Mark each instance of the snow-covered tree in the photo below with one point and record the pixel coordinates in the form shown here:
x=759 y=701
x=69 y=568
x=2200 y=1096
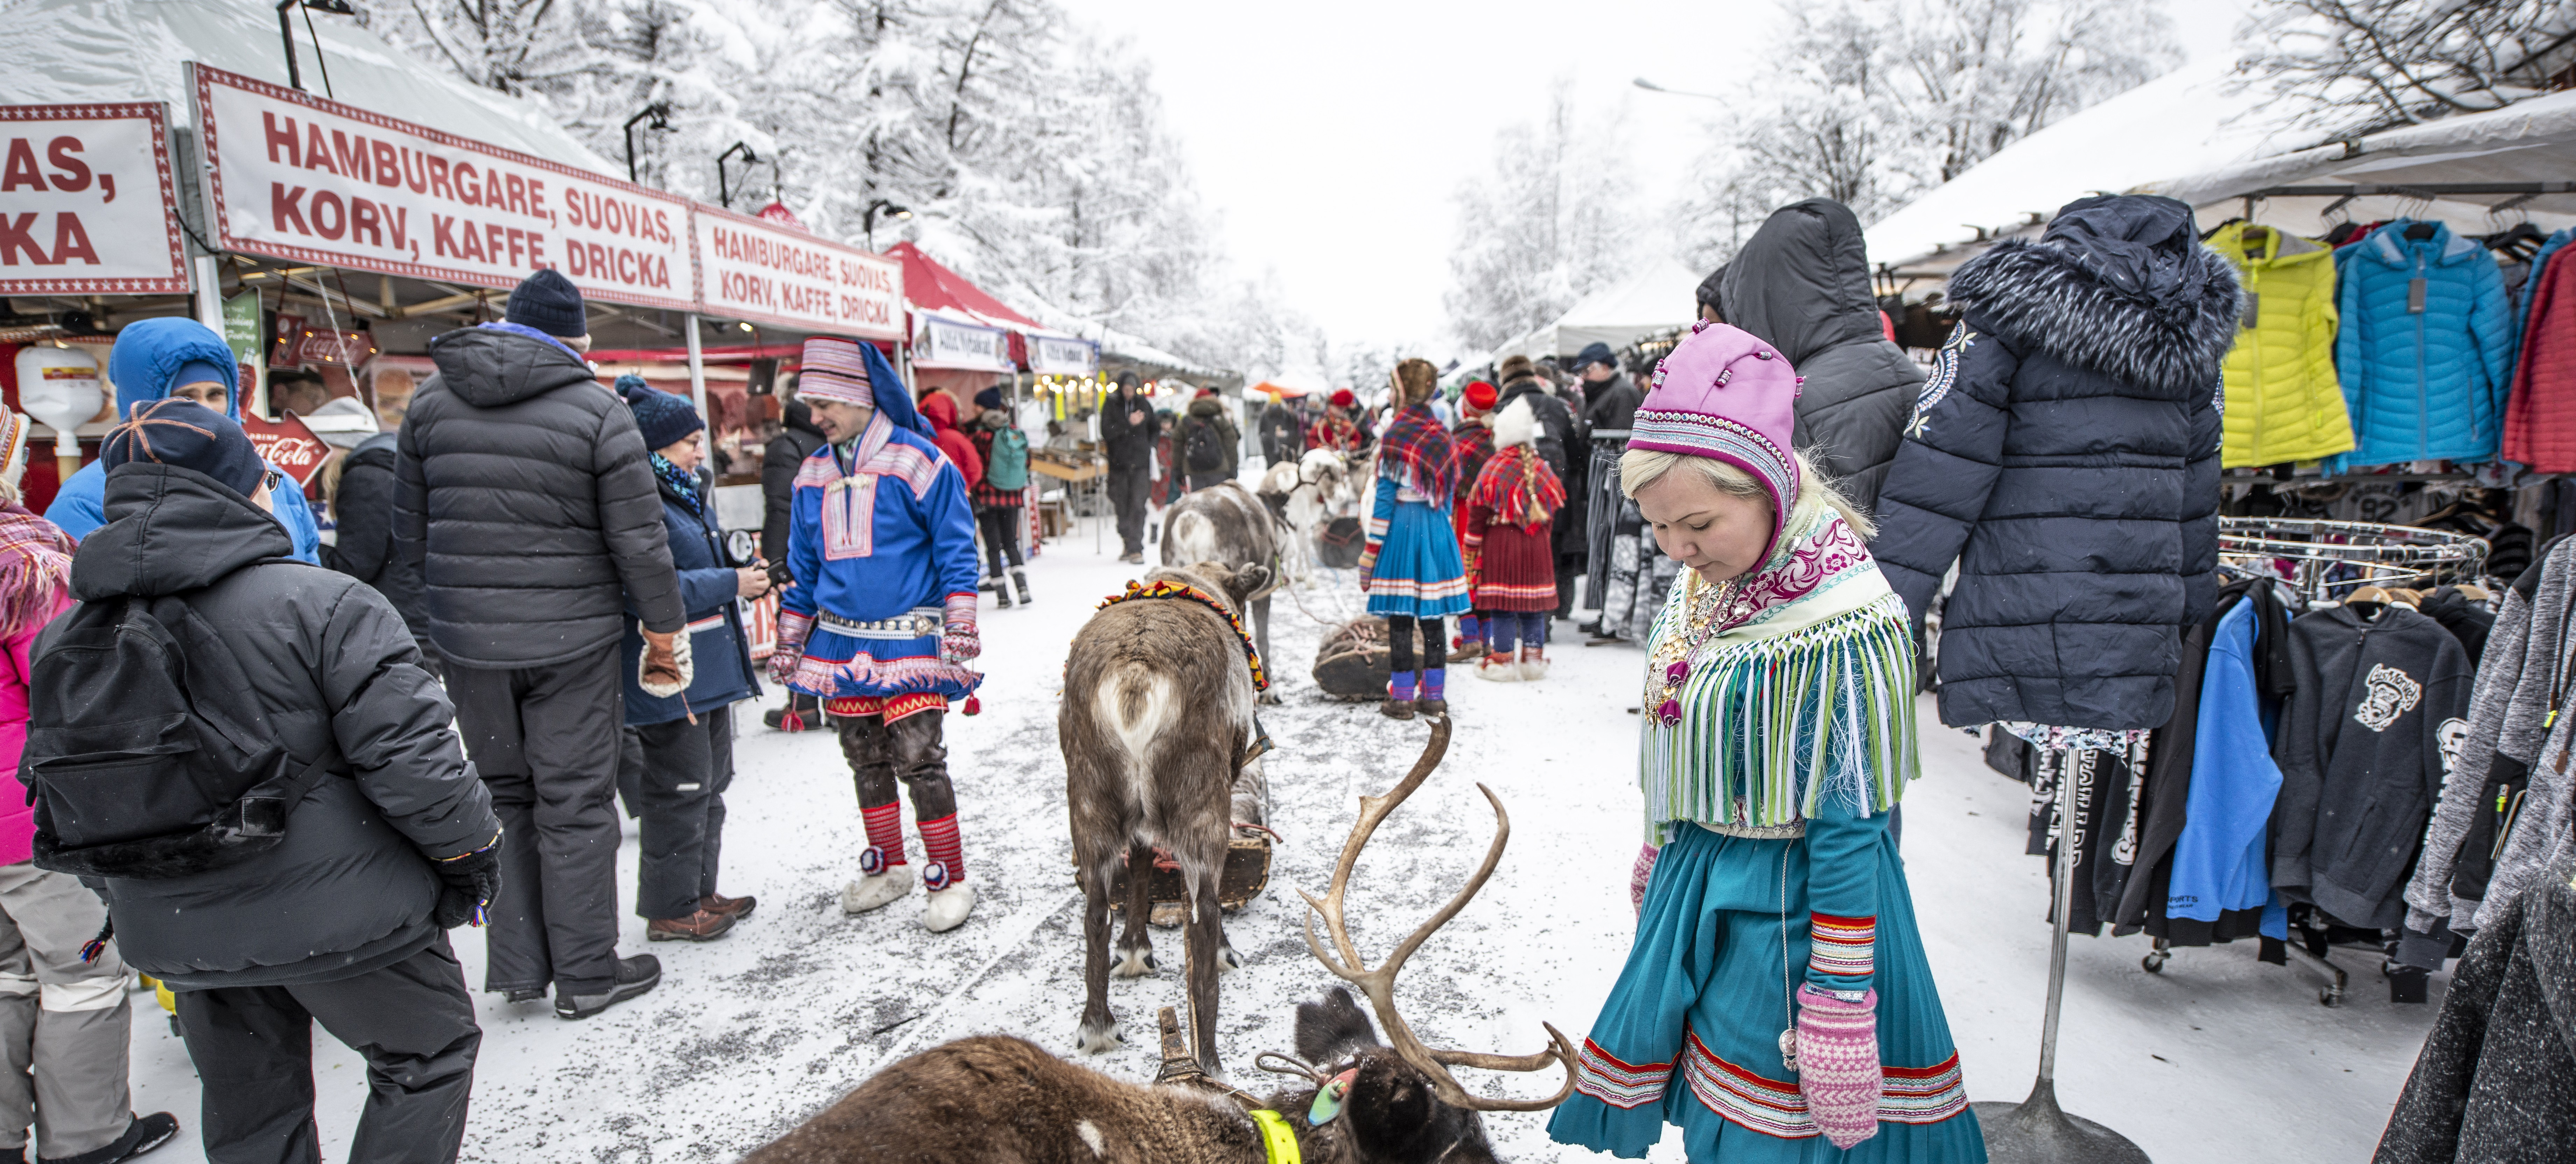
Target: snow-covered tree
x=1553 y=218
x=2350 y=67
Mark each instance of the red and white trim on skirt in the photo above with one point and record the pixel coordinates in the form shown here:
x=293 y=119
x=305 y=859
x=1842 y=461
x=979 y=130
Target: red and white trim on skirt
x=892 y=707
x=1908 y=1095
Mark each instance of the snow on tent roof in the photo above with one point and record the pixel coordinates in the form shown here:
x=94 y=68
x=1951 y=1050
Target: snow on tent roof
x=1659 y=298
x=931 y=286
x=2529 y=141
x=78 y=51
x=2186 y=120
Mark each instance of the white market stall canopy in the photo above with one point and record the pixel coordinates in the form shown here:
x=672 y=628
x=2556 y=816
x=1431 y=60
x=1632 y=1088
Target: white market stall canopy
x=2190 y=119
x=83 y=51
x=1661 y=297
x=2477 y=172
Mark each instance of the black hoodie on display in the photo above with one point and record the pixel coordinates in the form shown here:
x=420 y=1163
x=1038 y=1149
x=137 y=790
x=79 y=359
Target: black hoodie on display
x=785 y=454
x=1801 y=284
x=524 y=496
x=2377 y=719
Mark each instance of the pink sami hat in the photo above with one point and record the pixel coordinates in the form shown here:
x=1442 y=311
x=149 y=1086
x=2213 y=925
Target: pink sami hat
x=833 y=369
x=1722 y=393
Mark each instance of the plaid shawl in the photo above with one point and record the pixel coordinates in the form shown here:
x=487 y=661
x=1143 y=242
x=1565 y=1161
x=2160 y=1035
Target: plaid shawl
x=35 y=567
x=1519 y=487
x=1416 y=451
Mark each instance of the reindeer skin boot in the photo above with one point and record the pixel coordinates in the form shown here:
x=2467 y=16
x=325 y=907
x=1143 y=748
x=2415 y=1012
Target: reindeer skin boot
x=1434 y=699
x=1399 y=696
x=1533 y=664
x=879 y=884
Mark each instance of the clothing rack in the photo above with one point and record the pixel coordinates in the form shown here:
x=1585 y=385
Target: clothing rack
x=2332 y=557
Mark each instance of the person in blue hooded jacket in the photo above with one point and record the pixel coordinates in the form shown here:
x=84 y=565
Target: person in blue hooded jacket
x=159 y=358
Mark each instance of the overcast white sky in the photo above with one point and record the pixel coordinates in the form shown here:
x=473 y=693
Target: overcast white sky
x=1330 y=134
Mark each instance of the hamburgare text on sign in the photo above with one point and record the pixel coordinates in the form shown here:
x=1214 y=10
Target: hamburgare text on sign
x=755 y=269
x=308 y=179
x=85 y=201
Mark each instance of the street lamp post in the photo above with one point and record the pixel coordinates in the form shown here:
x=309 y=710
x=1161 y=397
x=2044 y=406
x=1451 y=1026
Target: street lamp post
x=724 y=192
x=1652 y=87
x=869 y=220
x=659 y=112
x=286 y=34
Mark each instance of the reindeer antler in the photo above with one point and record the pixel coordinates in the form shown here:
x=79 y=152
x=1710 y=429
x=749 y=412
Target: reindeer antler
x=1379 y=984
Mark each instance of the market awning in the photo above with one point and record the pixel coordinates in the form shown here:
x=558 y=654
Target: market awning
x=2465 y=170
x=1659 y=298
x=955 y=324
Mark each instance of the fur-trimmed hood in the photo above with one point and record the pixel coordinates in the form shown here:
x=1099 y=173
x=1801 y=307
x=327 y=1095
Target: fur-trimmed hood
x=2119 y=285
x=1515 y=425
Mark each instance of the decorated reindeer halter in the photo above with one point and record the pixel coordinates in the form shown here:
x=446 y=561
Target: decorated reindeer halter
x=1170 y=589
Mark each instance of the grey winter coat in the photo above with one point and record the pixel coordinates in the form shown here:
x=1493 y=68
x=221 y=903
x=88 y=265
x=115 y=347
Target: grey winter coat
x=2065 y=453
x=1801 y=284
x=339 y=679
x=525 y=498
x=363 y=509
x=2375 y=714
x=2496 y=1080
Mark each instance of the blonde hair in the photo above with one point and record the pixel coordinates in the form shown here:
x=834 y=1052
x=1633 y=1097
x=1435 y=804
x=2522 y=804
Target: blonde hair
x=1639 y=468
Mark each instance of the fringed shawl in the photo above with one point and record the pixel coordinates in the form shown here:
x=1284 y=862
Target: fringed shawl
x=1804 y=689
x=35 y=570
x=1519 y=487
x=1416 y=452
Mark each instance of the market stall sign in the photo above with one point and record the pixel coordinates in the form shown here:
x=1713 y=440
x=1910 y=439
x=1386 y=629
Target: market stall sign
x=760 y=271
x=307 y=179
x=288 y=444
x=1051 y=355
x=85 y=201
x=946 y=343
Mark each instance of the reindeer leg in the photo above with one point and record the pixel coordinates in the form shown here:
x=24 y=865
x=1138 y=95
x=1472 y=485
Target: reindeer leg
x=1206 y=940
x=1135 y=942
x=1099 y=1031
x=1261 y=638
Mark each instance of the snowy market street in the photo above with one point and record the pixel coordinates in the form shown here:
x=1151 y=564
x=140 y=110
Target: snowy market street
x=2216 y=1059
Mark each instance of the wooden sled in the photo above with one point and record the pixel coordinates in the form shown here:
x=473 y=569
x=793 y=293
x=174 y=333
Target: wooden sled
x=1245 y=875
x=1351 y=662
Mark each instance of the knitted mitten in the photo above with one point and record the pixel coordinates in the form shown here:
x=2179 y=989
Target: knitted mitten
x=1838 y=1067
x=1638 y=876
x=958 y=640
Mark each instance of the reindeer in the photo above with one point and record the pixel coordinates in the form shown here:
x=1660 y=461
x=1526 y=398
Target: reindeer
x=1156 y=725
x=1226 y=523
x=995 y=1099
x=1302 y=494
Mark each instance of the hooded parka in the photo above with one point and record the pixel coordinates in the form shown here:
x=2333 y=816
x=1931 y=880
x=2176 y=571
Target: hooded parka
x=524 y=496
x=2064 y=452
x=796 y=440
x=363 y=509
x=336 y=675
x=1801 y=284
x=2283 y=401
x=2425 y=346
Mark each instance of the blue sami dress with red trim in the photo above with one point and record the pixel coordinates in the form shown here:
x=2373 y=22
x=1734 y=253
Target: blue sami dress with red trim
x=880 y=535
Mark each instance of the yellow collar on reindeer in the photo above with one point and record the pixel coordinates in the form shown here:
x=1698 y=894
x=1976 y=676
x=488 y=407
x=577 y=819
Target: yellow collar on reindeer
x=1169 y=589
x=1278 y=1140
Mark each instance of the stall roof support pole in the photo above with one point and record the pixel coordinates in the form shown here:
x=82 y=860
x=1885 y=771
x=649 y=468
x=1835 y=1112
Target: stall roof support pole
x=698 y=377
x=209 y=281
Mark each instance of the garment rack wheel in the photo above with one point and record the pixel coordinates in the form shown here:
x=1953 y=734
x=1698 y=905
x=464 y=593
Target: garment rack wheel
x=2330 y=994
x=2154 y=962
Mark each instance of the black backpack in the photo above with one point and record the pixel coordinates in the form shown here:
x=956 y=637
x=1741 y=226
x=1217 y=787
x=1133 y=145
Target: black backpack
x=1206 y=450
x=147 y=756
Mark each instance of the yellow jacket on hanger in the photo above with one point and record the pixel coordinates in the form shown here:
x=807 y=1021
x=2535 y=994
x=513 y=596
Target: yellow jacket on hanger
x=2283 y=401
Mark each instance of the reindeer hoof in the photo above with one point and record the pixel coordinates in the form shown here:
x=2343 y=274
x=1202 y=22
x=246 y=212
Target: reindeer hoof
x=1096 y=1040
x=1270 y=698
x=1227 y=961
x=1135 y=963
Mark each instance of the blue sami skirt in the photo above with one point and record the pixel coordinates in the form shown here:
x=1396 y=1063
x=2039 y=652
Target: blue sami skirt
x=1418 y=572
x=844 y=659
x=1708 y=959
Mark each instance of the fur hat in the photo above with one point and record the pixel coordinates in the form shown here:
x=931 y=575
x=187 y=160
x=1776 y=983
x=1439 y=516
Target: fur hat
x=1516 y=367
x=1516 y=424
x=1724 y=394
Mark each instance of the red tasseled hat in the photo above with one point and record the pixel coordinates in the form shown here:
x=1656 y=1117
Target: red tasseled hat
x=1342 y=398
x=1480 y=396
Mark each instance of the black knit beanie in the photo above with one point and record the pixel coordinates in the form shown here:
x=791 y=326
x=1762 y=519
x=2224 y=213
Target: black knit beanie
x=664 y=419
x=549 y=303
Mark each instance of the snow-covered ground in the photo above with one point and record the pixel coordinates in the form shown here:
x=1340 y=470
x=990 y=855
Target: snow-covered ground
x=2218 y=1058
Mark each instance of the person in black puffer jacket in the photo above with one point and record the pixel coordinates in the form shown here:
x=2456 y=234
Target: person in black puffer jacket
x=363 y=510
x=1801 y=283
x=2067 y=441
x=340 y=922
x=524 y=496
x=779 y=461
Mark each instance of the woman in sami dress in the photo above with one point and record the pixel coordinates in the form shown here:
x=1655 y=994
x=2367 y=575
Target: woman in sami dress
x=1776 y=1004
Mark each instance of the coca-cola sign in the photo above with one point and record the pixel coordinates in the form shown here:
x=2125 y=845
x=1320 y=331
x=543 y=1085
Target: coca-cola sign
x=288 y=444
x=300 y=177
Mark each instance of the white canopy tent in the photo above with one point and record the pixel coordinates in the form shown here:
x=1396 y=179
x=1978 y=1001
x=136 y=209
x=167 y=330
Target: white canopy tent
x=2478 y=173
x=2187 y=120
x=77 y=51
x=1659 y=298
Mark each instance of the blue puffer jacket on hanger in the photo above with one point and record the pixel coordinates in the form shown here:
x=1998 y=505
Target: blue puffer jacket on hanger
x=2426 y=347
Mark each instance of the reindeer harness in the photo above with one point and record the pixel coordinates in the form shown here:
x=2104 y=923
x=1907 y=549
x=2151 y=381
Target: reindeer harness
x=1170 y=589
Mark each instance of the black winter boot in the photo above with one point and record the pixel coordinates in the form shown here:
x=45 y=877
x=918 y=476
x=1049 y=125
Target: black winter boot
x=143 y=1135
x=634 y=976
x=1020 y=578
